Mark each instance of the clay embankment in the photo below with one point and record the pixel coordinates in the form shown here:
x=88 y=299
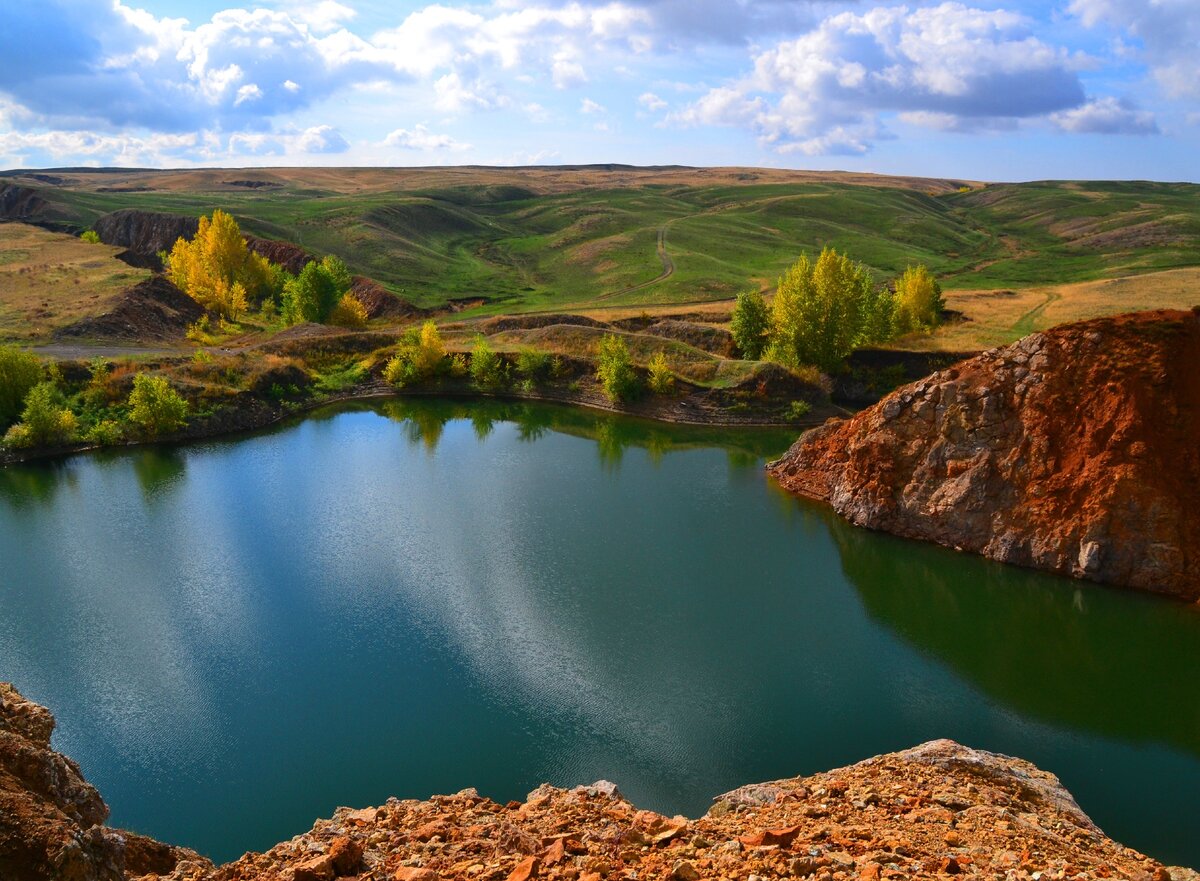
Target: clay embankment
x=939 y=809
x=1073 y=451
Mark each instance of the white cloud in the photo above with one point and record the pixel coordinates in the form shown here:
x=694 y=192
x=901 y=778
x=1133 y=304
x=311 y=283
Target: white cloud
x=566 y=71
x=589 y=106
x=950 y=64
x=420 y=138
x=652 y=102
x=1106 y=116
x=248 y=92
x=1168 y=29
x=322 y=139
x=453 y=95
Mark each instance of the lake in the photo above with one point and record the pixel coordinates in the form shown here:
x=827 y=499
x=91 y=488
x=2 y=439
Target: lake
x=414 y=597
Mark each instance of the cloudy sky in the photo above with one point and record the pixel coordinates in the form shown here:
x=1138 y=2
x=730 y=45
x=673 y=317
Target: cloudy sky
x=994 y=91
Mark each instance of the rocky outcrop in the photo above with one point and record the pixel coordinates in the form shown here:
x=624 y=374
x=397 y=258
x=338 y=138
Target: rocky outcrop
x=940 y=808
x=145 y=233
x=153 y=309
x=51 y=819
x=1073 y=451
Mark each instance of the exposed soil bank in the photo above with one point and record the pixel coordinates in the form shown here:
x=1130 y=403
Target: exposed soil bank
x=1073 y=450
x=938 y=809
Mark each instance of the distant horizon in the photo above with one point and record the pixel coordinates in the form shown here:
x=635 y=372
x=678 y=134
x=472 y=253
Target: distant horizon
x=580 y=166
x=986 y=90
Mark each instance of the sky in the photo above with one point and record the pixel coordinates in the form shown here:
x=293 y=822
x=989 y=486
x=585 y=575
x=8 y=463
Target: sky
x=979 y=90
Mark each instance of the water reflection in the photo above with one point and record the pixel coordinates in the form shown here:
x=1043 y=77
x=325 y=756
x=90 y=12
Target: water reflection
x=35 y=484
x=425 y=420
x=158 y=469
x=995 y=625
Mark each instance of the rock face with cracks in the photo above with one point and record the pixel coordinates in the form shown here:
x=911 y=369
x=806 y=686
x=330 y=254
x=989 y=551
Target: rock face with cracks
x=1075 y=451
x=938 y=809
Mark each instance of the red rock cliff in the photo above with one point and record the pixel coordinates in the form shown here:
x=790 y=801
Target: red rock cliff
x=1076 y=450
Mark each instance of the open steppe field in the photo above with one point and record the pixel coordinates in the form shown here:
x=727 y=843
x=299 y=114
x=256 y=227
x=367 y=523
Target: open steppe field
x=615 y=241
x=48 y=280
x=549 y=238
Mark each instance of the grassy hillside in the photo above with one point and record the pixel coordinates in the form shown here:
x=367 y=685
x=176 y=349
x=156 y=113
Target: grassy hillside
x=548 y=239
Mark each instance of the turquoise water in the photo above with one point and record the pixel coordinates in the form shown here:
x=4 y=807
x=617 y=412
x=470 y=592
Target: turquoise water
x=413 y=598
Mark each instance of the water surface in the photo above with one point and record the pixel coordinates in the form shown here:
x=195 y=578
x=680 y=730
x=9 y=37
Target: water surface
x=413 y=598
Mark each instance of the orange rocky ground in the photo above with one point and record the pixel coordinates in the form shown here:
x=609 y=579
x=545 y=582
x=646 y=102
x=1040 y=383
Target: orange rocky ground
x=1074 y=450
x=939 y=809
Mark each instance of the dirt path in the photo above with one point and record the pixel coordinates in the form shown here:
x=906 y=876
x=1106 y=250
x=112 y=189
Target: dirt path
x=668 y=268
x=1024 y=325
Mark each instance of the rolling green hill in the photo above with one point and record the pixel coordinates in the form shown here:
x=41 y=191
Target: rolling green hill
x=524 y=244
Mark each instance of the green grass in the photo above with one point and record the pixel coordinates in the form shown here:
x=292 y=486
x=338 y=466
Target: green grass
x=522 y=251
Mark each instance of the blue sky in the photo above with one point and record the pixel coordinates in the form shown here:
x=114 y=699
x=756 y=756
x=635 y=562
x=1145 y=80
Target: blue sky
x=981 y=90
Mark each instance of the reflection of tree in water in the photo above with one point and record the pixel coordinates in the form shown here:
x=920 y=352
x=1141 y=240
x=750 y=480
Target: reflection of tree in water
x=1118 y=664
x=483 y=424
x=158 y=470
x=612 y=433
x=21 y=485
x=610 y=445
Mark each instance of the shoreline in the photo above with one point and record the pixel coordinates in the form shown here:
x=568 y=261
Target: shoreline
x=216 y=428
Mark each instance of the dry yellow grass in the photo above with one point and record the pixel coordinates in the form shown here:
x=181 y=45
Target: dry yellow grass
x=1001 y=317
x=49 y=280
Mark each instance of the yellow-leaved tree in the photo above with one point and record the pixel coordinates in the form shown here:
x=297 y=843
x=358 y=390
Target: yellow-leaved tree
x=217 y=270
x=919 y=302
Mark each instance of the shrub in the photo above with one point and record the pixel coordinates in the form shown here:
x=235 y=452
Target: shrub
x=90 y=236
x=662 y=380
x=349 y=312
x=421 y=356
x=614 y=369
x=750 y=324
x=45 y=420
x=487 y=370
x=106 y=432
x=155 y=406
x=797 y=410
x=200 y=331
x=20 y=371
x=533 y=364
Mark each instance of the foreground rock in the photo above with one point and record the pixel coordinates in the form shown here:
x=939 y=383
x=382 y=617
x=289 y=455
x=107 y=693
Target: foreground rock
x=938 y=809
x=51 y=819
x=1073 y=450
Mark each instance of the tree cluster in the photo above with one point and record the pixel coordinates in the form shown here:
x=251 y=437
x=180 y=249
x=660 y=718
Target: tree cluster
x=825 y=309
x=217 y=269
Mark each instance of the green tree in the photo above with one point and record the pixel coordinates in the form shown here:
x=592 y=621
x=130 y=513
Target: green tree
x=614 y=369
x=919 y=301
x=90 y=236
x=45 y=419
x=20 y=371
x=487 y=370
x=750 y=324
x=820 y=311
x=315 y=293
x=155 y=406
x=661 y=380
